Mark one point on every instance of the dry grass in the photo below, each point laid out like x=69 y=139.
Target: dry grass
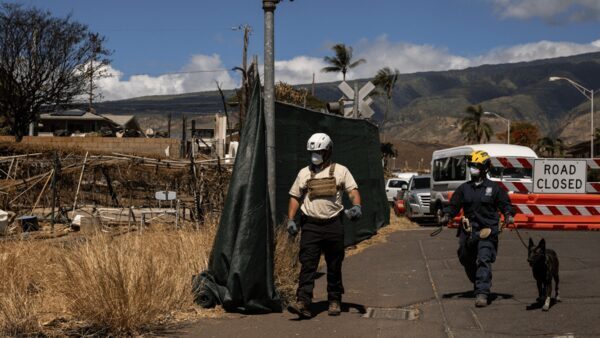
x=128 y=283
x=106 y=285
x=21 y=288
x=287 y=265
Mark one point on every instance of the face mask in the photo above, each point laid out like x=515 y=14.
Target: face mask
x=474 y=172
x=316 y=158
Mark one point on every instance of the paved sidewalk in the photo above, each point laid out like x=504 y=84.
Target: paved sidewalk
x=413 y=270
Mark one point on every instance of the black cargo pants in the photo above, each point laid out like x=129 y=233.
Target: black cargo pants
x=321 y=237
x=476 y=256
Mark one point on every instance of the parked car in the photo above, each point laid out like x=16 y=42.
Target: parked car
x=398 y=203
x=392 y=186
x=417 y=198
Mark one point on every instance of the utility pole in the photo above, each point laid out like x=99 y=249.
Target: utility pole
x=312 y=92
x=183 y=148
x=169 y=125
x=269 y=99
x=94 y=42
x=245 y=89
x=91 y=89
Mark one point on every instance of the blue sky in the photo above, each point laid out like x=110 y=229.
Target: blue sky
x=154 y=37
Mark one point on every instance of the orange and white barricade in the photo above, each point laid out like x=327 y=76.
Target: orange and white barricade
x=551 y=211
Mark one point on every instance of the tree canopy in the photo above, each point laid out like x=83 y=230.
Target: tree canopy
x=44 y=63
x=525 y=134
x=472 y=128
x=386 y=80
x=341 y=61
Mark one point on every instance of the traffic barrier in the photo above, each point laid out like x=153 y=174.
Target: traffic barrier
x=528 y=163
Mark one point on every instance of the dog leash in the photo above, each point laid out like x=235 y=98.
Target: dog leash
x=439 y=230
x=521 y=238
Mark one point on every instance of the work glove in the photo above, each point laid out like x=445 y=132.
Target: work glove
x=292 y=228
x=354 y=213
x=508 y=219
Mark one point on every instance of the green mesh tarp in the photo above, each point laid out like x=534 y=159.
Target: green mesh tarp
x=240 y=271
x=355 y=145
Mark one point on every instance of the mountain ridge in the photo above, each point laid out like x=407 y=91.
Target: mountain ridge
x=436 y=100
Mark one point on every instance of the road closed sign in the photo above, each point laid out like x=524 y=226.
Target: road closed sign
x=559 y=176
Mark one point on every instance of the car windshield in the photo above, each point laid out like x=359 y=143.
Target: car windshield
x=500 y=172
x=396 y=184
x=421 y=183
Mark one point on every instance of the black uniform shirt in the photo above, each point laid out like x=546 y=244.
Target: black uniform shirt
x=480 y=203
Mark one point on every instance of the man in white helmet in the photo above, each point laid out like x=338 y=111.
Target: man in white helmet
x=318 y=191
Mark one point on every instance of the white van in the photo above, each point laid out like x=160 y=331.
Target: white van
x=449 y=169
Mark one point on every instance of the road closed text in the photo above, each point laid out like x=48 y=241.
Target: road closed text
x=559 y=176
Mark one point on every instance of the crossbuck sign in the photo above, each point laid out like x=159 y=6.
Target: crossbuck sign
x=364 y=110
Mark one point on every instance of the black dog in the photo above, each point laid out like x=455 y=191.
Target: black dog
x=544 y=264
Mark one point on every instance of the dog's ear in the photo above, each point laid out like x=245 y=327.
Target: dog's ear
x=530 y=242
x=542 y=244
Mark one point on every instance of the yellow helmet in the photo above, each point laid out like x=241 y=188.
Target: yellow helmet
x=479 y=158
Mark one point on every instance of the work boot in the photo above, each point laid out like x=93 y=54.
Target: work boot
x=335 y=308
x=481 y=300
x=299 y=308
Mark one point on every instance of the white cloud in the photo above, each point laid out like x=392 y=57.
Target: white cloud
x=407 y=57
x=551 y=11
x=116 y=87
x=410 y=58
x=535 y=51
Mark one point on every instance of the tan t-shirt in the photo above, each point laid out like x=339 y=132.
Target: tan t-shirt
x=323 y=207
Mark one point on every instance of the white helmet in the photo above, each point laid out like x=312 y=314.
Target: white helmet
x=319 y=141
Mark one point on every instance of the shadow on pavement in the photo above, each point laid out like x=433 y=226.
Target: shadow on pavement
x=471 y=294
x=539 y=304
x=322 y=306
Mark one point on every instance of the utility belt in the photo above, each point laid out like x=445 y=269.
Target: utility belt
x=319 y=221
x=480 y=232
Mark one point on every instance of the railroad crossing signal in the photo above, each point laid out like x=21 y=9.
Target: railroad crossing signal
x=357 y=104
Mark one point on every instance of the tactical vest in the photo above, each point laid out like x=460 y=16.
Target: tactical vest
x=322 y=187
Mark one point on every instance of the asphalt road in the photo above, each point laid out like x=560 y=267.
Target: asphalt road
x=417 y=272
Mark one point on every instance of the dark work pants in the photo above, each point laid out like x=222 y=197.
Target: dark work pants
x=316 y=239
x=476 y=256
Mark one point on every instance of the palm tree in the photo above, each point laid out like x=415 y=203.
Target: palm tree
x=472 y=128
x=551 y=146
x=386 y=80
x=342 y=61
x=387 y=151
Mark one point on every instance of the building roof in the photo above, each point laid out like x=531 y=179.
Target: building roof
x=72 y=115
x=121 y=120
x=80 y=115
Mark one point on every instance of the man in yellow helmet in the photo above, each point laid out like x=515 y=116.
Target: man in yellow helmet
x=481 y=201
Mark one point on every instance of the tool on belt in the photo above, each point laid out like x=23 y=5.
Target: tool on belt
x=465 y=225
x=468 y=228
x=322 y=187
